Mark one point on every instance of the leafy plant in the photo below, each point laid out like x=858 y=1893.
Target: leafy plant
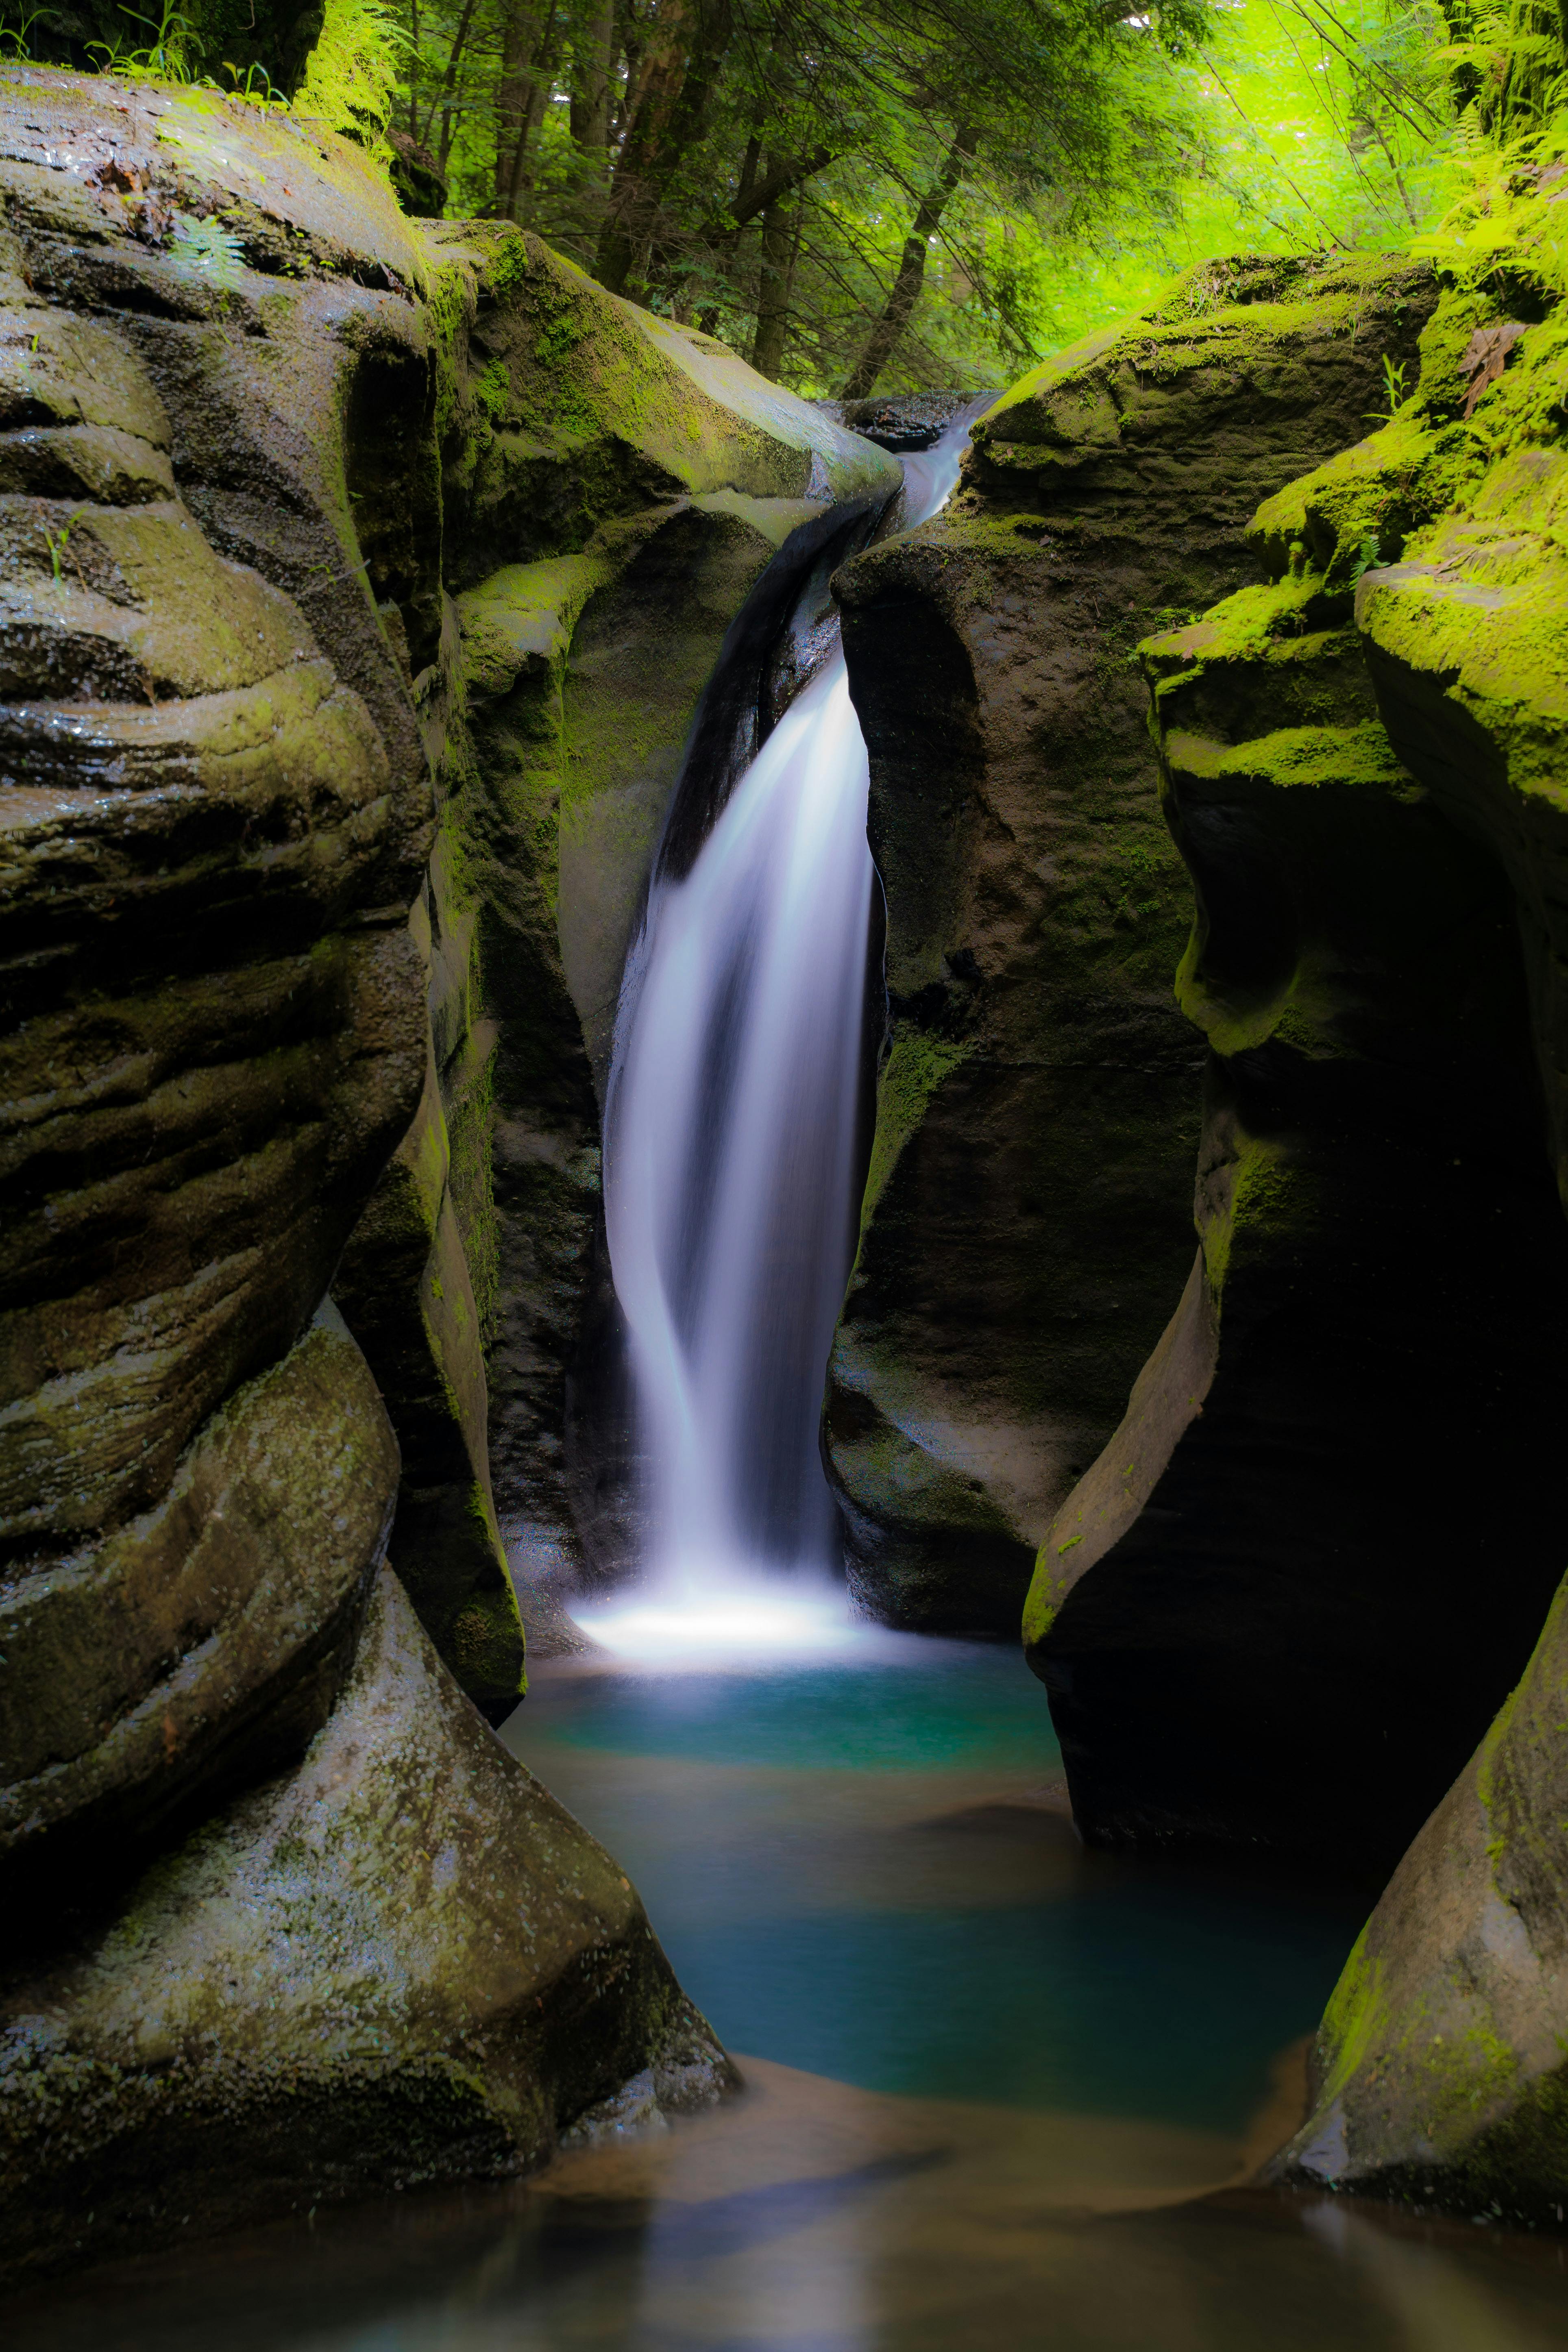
x=268 y=95
x=207 y=246
x=1393 y=392
x=1369 y=557
x=17 y=37
x=170 y=56
x=56 y=542
x=351 y=73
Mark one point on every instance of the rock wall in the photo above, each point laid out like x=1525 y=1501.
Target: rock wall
x=1028 y=1217
x=1302 y=1581
x=325 y=533
x=610 y=491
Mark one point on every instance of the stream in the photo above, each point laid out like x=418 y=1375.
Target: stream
x=998 y=2091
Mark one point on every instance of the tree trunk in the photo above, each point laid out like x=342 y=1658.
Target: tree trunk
x=687 y=47
x=448 y=88
x=528 y=94
x=520 y=38
x=591 y=80
x=886 y=334
x=781 y=243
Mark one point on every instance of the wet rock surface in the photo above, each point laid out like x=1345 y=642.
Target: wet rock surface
x=1027 y=1220
x=288 y=1004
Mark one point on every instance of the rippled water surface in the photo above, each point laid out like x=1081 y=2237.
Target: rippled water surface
x=1000 y=2094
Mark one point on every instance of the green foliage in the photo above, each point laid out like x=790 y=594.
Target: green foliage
x=352 y=70
x=210 y=251
x=1393 y=392
x=56 y=541
x=172 y=54
x=1107 y=151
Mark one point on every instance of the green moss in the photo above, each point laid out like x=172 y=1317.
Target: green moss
x=917 y=1065
x=1080 y=399
x=469 y=1087
x=1266 y=1195
x=1298 y=759
x=483 y=1642
x=351 y=73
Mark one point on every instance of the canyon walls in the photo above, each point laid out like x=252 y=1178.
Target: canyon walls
x=1028 y=1215
x=1308 y=1577
x=327 y=536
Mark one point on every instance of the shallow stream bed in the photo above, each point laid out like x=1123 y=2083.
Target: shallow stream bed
x=1001 y=2092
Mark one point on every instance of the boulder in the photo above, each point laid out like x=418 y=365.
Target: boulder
x=400 y=1963
x=1439 y=2078
x=1027 y=1220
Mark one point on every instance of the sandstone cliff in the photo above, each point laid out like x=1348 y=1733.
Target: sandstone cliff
x=360 y=581
x=1314 y=1561
x=1028 y=1214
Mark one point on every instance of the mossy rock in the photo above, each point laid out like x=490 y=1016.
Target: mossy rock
x=1360 y=759
x=1027 y=1220
x=1439 y=2079
x=402 y=1963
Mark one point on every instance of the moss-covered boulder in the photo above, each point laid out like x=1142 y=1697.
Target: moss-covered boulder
x=401 y=1962
x=1440 y=2078
x=1306 y=1574
x=1345 y=1438
x=1028 y=1217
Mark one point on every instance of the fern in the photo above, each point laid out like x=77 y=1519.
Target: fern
x=351 y=73
x=214 y=251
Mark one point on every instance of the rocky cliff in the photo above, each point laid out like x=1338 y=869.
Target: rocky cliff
x=360 y=581
x=1311 y=1567
x=1028 y=1214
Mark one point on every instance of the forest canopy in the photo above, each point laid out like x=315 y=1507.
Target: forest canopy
x=897 y=193
x=875 y=195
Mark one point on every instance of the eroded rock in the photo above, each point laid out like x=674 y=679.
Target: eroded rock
x=282 y=1920
x=401 y=1963
x=1027 y=1216
x=1440 y=2068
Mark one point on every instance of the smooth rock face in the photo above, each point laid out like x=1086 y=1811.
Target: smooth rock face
x=1317 y=1554
x=1027 y=1220
x=209 y=1635
x=401 y=1963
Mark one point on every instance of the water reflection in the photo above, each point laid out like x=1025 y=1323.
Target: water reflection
x=1003 y=2094
x=870 y=1872
x=809 y=2217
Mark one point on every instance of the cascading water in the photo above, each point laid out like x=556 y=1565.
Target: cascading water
x=728 y=1165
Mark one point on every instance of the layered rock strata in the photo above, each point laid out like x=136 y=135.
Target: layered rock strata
x=1027 y=1214
x=329 y=539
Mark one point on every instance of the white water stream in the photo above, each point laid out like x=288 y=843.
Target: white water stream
x=730 y=1137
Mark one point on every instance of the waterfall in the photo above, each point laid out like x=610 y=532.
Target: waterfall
x=730 y=1156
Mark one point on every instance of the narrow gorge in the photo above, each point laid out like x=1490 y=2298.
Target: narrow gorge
x=394 y=619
